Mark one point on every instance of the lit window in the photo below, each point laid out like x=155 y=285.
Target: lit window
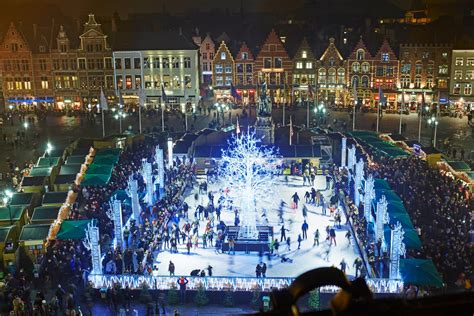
x=458 y=74
x=457 y=88
x=304 y=54
x=470 y=61
x=355 y=67
x=360 y=54
x=299 y=65
x=385 y=57
x=468 y=89
x=223 y=56
x=459 y=61
x=309 y=65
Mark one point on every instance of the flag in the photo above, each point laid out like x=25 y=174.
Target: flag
x=121 y=103
x=291 y=130
x=164 y=98
x=103 y=101
x=310 y=91
x=237 y=128
x=142 y=97
x=234 y=92
x=381 y=96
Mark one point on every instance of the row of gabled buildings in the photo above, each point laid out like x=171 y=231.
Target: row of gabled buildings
x=56 y=67
x=420 y=71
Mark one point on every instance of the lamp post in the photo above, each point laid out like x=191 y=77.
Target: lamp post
x=433 y=121
x=49 y=147
x=119 y=117
x=320 y=111
x=6 y=199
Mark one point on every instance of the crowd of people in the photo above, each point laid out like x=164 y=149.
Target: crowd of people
x=441 y=209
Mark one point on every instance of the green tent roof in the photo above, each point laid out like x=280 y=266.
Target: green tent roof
x=420 y=272
x=46 y=162
x=58 y=152
x=403 y=218
x=108 y=151
x=16 y=212
x=459 y=165
x=95 y=179
x=21 y=199
x=54 y=197
x=390 y=195
x=411 y=239
x=95 y=168
x=71 y=229
x=75 y=159
x=70 y=169
x=45 y=213
x=381 y=184
x=40 y=171
x=4 y=232
x=34 y=232
x=106 y=160
x=396 y=207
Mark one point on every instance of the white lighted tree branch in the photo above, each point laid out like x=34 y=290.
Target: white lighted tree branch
x=248 y=169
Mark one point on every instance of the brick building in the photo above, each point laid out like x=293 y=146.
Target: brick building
x=244 y=74
x=223 y=72
x=360 y=73
x=274 y=66
x=331 y=70
x=424 y=68
x=385 y=75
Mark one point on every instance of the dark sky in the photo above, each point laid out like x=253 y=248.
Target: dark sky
x=104 y=7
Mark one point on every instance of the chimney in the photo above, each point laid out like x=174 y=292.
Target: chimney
x=35 y=30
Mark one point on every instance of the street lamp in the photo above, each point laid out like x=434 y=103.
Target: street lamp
x=49 y=147
x=25 y=125
x=119 y=117
x=433 y=121
x=320 y=111
x=6 y=198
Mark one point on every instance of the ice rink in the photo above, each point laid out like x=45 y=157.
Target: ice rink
x=243 y=265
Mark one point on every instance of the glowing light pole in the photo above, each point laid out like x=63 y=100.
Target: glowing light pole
x=369 y=195
x=115 y=214
x=433 y=121
x=132 y=192
x=91 y=242
x=359 y=173
x=382 y=218
x=148 y=175
x=161 y=166
x=397 y=249
x=170 y=153
x=343 y=152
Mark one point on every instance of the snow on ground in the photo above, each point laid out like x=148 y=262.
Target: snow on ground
x=243 y=265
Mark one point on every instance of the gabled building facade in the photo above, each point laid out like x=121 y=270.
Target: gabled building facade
x=360 y=74
x=80 y=72
x=331 y=76
x=244 y=74
x=207 y=50
x=274 y=66
x=424 y=68
x=303 y=73
x=223 y=72
x=25 y=65
x=385 y=75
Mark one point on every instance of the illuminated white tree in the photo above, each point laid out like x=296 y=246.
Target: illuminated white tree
x=248 y=169
x=397 y=249
x=91 y=242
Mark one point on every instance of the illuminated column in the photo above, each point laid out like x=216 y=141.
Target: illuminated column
x=148 y=176
x=161 y=166
x=170 y=153
x=343 y=152
x=359 y=173
x=351 y=158
x=369 y=195
x=91 y=242
x=397 y=249
x=133 y=193
x=382 y=218
x=115 y=214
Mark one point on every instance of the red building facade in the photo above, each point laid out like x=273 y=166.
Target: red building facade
x=244 y=74
x=274 y=66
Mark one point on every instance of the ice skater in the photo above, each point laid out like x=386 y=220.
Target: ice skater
x=296 y=199
x=316 y=238
x=299 y=241
x=343 y=266
x=283 y=231
x=304 y=229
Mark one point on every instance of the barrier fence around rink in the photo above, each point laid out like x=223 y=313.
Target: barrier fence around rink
x=134 y=282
